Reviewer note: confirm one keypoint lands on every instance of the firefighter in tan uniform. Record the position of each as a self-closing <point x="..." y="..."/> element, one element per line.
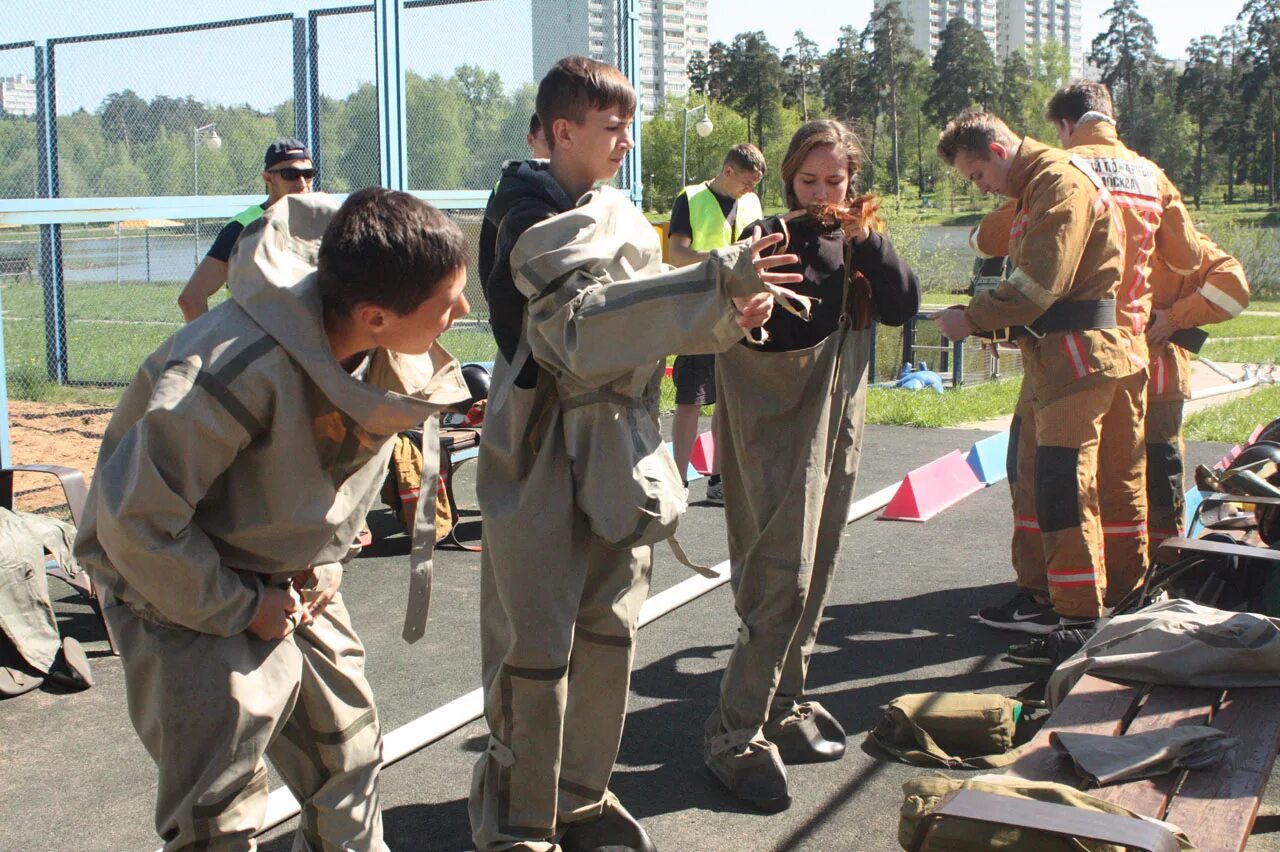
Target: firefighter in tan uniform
<point x="1156" y="223"/>
<point x="231" y="482"/>
<point x="1215" y="292"/>
<point x="1058" y="303"/>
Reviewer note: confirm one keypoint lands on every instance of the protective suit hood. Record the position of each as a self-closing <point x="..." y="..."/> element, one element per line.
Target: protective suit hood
<point x="273" y="279"/>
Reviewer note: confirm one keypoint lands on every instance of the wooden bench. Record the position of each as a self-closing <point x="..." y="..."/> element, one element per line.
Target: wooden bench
<point x="1215" y="808"/>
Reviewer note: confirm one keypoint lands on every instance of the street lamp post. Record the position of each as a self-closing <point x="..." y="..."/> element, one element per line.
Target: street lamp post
<point x="703" y="127"/>
<point x="213" y="142"/>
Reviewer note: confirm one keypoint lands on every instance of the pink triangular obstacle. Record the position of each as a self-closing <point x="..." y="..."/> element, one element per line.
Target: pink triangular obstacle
<point x="703" y="457"/>
<point x="928" y="490"/>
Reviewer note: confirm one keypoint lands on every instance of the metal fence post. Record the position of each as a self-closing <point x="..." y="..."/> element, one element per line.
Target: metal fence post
<point x="55" y="317"/>
<point x="392" y="127"/>
<point x="957" y="368"/>
<point x="629" y="44"/>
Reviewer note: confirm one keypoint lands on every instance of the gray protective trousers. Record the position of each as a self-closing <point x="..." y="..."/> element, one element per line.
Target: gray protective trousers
<point x="208" y="708"/>
<point x="802" y="411"/>
<point x="558" y="620"/>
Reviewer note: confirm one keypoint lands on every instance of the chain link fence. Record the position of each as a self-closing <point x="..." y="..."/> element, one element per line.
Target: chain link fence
<point x="167" y="123"/>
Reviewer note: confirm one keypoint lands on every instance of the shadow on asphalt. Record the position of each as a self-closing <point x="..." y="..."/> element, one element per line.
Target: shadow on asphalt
<point x="902" y="646"/>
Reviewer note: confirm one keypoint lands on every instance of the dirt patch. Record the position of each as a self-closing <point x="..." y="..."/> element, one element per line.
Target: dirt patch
<point x="52" y="433"/>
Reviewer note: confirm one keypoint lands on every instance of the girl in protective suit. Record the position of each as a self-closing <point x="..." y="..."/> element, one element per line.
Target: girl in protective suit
<point x="797" y="400"/>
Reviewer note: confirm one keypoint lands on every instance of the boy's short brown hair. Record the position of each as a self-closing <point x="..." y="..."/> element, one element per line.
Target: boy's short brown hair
<point x="387" y="248"/>
<point x="576" y="84"/>
<point x="746" y="157"/>
<point x="973" y="132"/>
<point x="1075" y="99"/>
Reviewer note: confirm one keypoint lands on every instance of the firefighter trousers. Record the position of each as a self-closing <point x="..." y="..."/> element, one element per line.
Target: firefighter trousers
<point x="1165" y="498"/>
<point x="1077" y="470"/>
<point x="208" y="708"/>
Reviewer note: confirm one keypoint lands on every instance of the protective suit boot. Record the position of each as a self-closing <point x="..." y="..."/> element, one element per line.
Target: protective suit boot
<point x="615" y="830"/>
<point x="748" y="765"/>
<point x="806" y="734"/>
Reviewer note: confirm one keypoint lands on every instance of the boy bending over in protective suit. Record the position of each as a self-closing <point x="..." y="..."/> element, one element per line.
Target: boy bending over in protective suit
<point x="574" y="482"/>
<point x="231" y="482"/>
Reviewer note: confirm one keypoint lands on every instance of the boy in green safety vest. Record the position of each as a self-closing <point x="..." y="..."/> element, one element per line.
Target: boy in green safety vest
<point x="708" y="216"/>
<point x="286" y="169"/>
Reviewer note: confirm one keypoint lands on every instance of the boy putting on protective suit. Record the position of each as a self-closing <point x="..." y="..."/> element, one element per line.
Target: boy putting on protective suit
<point x="230" y="484"/>
<point x="798" y="400"/>
<point x="1066" y="252"/>
<point x="574" y="481"/>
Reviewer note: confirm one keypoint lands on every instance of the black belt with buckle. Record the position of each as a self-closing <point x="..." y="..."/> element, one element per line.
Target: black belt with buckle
<point x="1083" y="315"/>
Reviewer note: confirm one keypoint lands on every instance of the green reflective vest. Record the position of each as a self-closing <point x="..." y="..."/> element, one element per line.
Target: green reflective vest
<point x="707" y="221"/>
<point x="249" y="215"/>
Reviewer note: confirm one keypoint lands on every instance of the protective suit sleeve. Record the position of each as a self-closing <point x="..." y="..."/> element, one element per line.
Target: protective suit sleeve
<point x="149" y="488"/>
<point x="990" y="237"/>
<point x="1222" y="294"/>
<point x="597" y="331"/>
<point x="895" y="289"/>
<point x="1058" y="222"/>
<point x="1177" y="241"/>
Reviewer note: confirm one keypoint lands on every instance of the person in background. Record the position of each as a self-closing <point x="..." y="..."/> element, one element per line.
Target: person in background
<point x="708" y="216"/>
<point x="286" y="169"/>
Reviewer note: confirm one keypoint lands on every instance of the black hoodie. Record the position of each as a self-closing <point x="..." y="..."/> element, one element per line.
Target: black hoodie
<point x="525" y="195"/>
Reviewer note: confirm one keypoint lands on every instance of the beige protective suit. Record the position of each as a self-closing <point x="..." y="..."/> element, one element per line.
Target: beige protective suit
<point x="803" y="411"/>
<point x="574" y="483"/>
<point x="242" y="454"/>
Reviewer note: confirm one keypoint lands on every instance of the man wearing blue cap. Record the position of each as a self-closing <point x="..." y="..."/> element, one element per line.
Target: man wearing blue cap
<point x="286" y="169"/>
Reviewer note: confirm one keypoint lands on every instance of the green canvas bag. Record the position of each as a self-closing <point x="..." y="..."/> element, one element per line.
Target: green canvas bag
<point x="953" y="730"/>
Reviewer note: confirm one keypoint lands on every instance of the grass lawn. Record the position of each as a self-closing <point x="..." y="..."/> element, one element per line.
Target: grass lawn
<point x="898" y="407"/>
<point x="1233" y="422"/>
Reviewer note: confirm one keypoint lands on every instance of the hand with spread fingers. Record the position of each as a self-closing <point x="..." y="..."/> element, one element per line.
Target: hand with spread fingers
<point x="756" y="309"/>
<point x="278" y="613"/>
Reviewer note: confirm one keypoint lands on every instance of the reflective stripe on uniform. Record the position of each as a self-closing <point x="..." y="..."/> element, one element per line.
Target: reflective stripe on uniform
<point x="1039" y="296"/>
<point x="1220" y="299"/>
<point x="1072" y="576"/>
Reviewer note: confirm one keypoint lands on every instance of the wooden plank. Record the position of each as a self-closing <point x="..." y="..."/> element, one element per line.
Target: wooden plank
<point x="1094" y="706"/>
<point x="1165" y="707"/>
<point x="1217" y="808"/>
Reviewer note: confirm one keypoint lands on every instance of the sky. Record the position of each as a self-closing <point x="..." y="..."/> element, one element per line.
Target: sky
<point x="235" y="66"/>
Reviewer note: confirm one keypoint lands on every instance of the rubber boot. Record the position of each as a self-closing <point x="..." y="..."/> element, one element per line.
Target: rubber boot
<point x="615" y="830"/>
<point x="806" y="734"/>
<point x="748" y="765"/>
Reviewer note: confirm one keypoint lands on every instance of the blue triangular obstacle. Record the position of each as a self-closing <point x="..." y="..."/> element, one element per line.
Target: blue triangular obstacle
<point x="690" y="475"/>
<point x="988" y="456"/>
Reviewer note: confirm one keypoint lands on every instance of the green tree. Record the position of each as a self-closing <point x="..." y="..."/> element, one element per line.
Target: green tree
<point x="438" y="146"/>
<point x="661" y="135"/>
<point x="893" y="57"/>
<point x="753" y="76"/>
<point x="1126" y="52"/>
<point x="801" y="63"/>
<point x="964" y="72"/>
<point x="122" y="116"/>
<point x="1013" y="96"/>
<point x="1230" y="136"/>
<point x="1262" y="79"/>
<point x="1201" y="91"/>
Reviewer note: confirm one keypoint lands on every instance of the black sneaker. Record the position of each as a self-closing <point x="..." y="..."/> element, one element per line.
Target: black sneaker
<point x="1066" y="639"/>
<point x="1022" y="613"/>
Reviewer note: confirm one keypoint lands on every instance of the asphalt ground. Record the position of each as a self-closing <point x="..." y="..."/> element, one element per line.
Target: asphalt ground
<point x="75" y="776"/>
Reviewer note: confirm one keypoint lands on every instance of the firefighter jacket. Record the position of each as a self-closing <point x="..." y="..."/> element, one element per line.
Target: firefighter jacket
<point x="1065" y="244"/>
<point x="242" y="452"/>
<point x="1216" y="292"/>
<point x="1155" y="219"/>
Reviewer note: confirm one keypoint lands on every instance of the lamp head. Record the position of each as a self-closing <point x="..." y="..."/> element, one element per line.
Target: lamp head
<point x="704" y="127"/>
<point x="213" y="141"/>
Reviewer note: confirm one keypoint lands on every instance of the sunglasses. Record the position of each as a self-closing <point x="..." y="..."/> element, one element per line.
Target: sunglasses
<point x="293" y="174"/>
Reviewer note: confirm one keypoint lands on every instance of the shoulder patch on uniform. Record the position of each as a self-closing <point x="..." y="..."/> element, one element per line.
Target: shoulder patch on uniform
<point x="1133" y="177"/>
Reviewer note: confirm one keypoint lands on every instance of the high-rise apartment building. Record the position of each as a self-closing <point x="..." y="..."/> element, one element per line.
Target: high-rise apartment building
<point x="670" y="32"/>
<point x="18" y="95"/>
<point x="930" y="17"/>
<point x="1009" y="25"/>
<point x="1024" y="23"/>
